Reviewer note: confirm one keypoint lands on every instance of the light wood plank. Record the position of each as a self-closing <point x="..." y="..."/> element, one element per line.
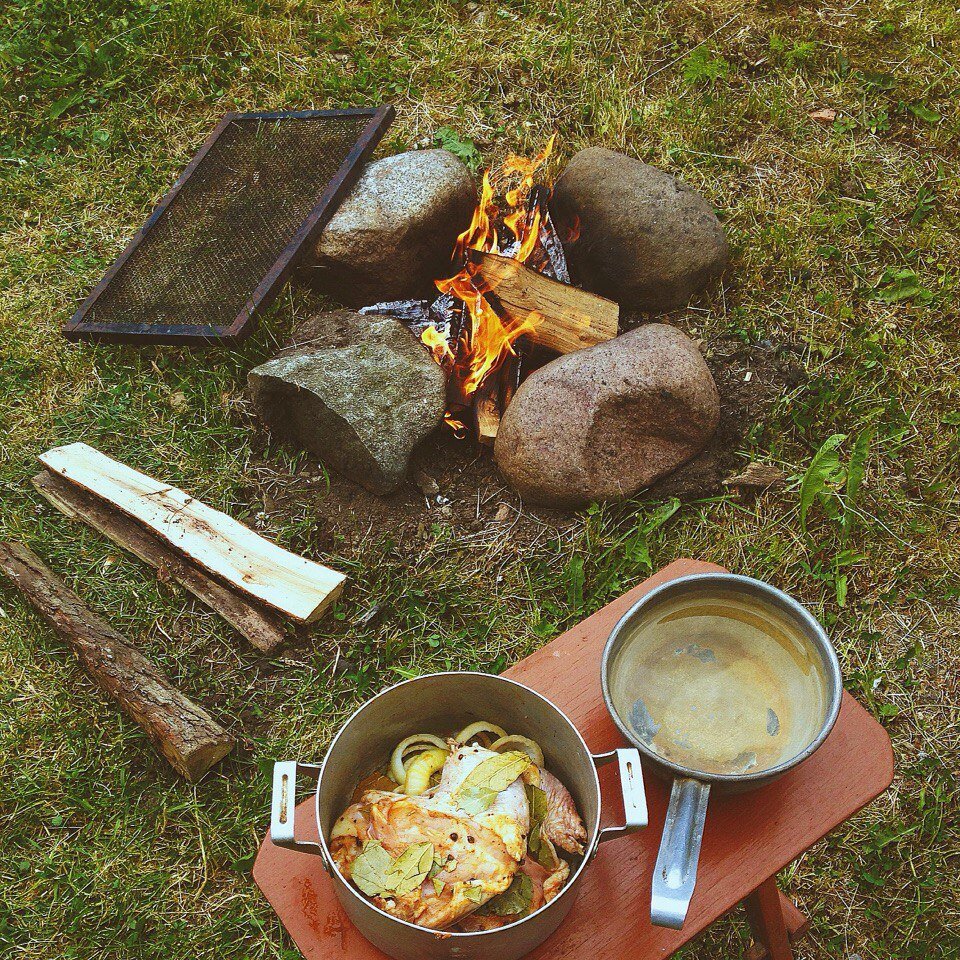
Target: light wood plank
<point x="295" y="586"/>
<point x="263" y="628"/>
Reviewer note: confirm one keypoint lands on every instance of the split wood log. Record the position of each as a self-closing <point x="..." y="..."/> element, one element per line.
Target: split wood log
<point x="486" y="411"/>
<point x="295" y="586"/>
<point x="263" y="628"/>
<point x="569" y="318"/>
<point x="190" y="739"/>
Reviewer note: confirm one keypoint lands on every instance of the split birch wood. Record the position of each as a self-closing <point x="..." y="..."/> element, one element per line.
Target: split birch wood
<point x="295" y="586"/>
<point x="187" y="736"/>
<point x="263" y="628"/>
<point x="569" y="318"/>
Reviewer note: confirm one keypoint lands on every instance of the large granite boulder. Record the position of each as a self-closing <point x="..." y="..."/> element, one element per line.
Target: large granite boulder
<point x="605" y="422"/>
<point x="646" y="240"/>
<point x="358" y="392"/>
<point x="395" y="232"/>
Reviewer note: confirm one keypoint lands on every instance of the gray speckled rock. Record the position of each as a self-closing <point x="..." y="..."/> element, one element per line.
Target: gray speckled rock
<point x="646" y="240"/>
<point x="603" y="423"/>
<point x="358" y="392"/>
<point x="395" y="233"/>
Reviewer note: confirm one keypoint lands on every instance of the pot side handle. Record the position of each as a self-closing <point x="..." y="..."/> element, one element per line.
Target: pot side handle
<point x="631" y="785"/>
<point x="284" y="805"/>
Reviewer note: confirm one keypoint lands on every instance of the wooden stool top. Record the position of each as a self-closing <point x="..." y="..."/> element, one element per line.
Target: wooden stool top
<point x="748" y="837"/>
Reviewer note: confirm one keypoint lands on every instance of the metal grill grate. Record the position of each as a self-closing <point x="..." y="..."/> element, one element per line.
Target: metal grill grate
<point x="222" y="241"/>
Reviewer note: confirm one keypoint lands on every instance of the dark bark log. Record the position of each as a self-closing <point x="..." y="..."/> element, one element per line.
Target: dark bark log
<point x="190" y="739"/>
<point x="263" y="628"/>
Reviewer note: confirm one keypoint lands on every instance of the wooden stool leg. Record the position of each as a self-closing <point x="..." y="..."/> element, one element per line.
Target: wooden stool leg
<point x="775" y="921"/>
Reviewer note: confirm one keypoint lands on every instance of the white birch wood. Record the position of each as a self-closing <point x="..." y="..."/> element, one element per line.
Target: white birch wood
<point x="297" y="587"/>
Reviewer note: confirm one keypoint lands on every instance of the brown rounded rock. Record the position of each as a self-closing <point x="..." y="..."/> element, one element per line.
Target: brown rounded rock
<point x="647" y="240"/>
<point x="605" y="422"/>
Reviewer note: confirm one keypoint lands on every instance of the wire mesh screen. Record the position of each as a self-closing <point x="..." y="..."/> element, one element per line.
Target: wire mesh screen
<point x="209" y="257"/>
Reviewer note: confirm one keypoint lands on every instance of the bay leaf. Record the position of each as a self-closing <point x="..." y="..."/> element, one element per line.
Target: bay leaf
<point x="537" y="845"/>
<point x="369" y="871"/>
<point x="473" y="891"/>
<point x="481" y="785"/>
<point x="410" y="869"/>
<point x="515" y="900"/>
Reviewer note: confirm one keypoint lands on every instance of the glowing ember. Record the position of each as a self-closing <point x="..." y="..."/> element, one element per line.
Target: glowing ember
<point x="487" y="340"/>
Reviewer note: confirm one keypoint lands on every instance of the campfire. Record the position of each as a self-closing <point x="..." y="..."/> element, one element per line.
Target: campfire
<point x="510" y="306"/>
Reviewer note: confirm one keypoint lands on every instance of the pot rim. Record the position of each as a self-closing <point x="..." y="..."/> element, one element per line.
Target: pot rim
<point x="814" y="631"/>
<point x="568" y="889"/>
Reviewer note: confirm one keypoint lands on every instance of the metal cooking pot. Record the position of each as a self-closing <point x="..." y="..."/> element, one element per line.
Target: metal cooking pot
<point x="722" y="682"/>
<point x="445" y="702"/>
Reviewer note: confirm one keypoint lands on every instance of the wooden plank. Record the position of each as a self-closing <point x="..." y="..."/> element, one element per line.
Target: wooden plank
<point x="569" y="318"/>
<point x="190" y="739"/>
<point x="295" y="586"/>
<point x="263" y="628"/>
<point x="749" y="837"/>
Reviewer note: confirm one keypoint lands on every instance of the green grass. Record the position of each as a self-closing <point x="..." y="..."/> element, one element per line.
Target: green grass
<point x="847" y="240"/>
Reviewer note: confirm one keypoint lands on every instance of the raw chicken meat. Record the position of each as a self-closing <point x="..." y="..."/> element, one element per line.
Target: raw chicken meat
<point x="479" y="854"/>
<point x="563" y="826"/>
<point x="476" y="856"/>
<point x="475" y="862"/>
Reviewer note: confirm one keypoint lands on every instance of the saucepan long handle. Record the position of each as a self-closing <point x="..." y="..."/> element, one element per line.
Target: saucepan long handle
<point x="675" y="874"/>
<point x="631" y="785"/>
<point x="284" y="806"/>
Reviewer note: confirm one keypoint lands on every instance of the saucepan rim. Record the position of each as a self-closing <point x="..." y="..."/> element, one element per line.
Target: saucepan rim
<point x="569" y="886"/>
<point x="814" y="631"/>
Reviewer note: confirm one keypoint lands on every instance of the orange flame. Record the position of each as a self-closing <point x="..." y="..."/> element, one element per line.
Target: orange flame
<point x="438" y="345"/>
<point x="488" y="340"/>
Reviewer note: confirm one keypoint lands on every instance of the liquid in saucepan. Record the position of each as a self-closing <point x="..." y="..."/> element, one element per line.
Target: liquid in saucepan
<point x="719" y="685"/>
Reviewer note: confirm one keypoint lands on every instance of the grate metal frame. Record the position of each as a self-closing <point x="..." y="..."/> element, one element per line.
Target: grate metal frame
<point x="80" y="328"/>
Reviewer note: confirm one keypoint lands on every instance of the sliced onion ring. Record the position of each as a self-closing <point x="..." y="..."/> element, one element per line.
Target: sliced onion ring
<point x="398" y="771"/>
<point x="481" y="726"/>
<point x="422" y="768"/>
<point x="515" y="742"/>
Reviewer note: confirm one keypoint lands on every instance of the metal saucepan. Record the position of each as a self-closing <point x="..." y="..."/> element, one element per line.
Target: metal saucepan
<point x="446" y="702"/>
<point x="721" y="681"/>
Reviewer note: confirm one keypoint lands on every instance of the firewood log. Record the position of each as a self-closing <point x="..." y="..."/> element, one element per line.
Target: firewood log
<point x="486" y="411"/>
<point x="297" y="587"/>
<point x="262" y="627"/>
<point x="187" y="736"/>
<point x="568" y="318"/>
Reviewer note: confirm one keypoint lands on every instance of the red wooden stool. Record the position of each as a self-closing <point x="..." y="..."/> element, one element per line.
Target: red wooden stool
<point x="748" y="838"/>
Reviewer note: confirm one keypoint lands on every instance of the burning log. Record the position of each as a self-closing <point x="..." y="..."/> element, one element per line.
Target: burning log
<point x="414" y="313"/>
<point x="511" y="374"/>
<point x="487" y="411"/>
<point x="547" y="256"/>
<point x="567" y="318"/>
